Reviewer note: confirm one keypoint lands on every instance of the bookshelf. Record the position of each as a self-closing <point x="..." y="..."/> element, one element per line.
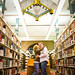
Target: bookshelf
<point x="23" y="56"/>
<point x="65" y="51"/>
<point x="9" y="49"/>
<point x="52" y="59"/>
<point x="28" y="55"/>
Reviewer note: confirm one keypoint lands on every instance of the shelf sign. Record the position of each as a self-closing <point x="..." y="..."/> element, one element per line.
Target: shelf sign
<point x="17" y="26"/>
<point x="57" y="29"/>
<point x="1" y="7"/>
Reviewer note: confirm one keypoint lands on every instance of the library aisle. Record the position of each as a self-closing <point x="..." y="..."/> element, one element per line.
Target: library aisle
<point x="25" y="73"/>
<point x="37" y="37"/>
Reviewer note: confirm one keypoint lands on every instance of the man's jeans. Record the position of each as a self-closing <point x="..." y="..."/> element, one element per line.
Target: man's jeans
<point x="36" y="69"/>
<point x="43" y="67"/>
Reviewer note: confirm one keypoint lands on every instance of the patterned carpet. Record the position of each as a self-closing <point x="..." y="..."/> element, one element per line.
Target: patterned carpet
<point x="25" y="73"/>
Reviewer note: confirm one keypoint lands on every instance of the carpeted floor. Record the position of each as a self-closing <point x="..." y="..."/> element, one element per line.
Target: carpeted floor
<point x="25" y="73"/>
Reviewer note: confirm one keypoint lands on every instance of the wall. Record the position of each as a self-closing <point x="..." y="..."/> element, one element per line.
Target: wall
<point x="25" y="44"/>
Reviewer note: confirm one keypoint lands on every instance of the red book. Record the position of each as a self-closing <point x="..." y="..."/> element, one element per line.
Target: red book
<point x="74" y="72"/>
<point x="56" y="63"/>
<point x="13" y="71"/>
<point x="0" y="36"/>
<point x="74" y="38"/>
<point x="1" y="60"/>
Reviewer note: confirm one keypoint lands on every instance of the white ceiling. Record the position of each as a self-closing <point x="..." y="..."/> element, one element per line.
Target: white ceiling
<point x="36" y="29"/>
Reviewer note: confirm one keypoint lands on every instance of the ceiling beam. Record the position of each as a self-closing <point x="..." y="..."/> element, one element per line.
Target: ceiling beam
<point x="59" y="15"/>
<point x="37" y="25"/>
<point x="66" y="14"/>
<point x="59" y="8"/>
<point x="3" y="6"/>
<point x="18" y="8"/>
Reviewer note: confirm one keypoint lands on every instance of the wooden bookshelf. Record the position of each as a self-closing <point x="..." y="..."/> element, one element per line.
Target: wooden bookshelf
<point x="23" y="56"/>
<point x="1" y="44"/>
<point x="9" y="38"/>
<point x="8" y="58"/>
<point x="9" y="67"/>
<point x="65" y="51"/>
<point x="69" y="46"/>
<point x="9" y="48"/>
<point x="9" y="27"/>
<point x="69" y="67"/>
<point x="66" y="39"/>
<point x="64" y="32"/>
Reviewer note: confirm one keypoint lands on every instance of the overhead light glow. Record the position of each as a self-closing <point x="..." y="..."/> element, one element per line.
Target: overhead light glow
<point x="61" y="3"/>
<point x="18" y="8"/>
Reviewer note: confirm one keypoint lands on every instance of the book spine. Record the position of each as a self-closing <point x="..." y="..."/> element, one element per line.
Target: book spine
<point x="0" y="36"/>
<point x="3" y="62"/>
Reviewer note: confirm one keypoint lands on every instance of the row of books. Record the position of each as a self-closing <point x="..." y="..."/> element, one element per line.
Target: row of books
<point x="69" y="52"/>
<point x="9" y="50"/>
<point x="7" y="42"/>
<point x="66" y="53"/>
<point x="70" y="41"/>
<point x="69" y="71"/>
<point x="69" y="31"/>
<point x="12" y="71"/>
<point x="59" y="55"/>
<point x="69" y="62"/>
<point x="65" y="71"/>
<point x="66" y="62"/>
<point x="8" y="63"/>
<point x="60" y="71"/>
<point x="23" y="60"/>
<point x="8" y="53"/>
<point x="7" y="31"/>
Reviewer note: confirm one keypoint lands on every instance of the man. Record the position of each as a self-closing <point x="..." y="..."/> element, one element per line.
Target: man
<point x="43" y="58"/>
<point x="36" y="60"/>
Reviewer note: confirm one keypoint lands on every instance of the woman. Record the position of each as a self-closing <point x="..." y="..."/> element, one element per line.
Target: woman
<point x="36" y="60"/>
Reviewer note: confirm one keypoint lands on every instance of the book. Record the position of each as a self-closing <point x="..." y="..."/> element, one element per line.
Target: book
<point x="1" y="51"/>
<point x="0" y="36"/>
<point x="5" y="52"/>
<point x="74" y="49"/>
<point x="74" y="61"/>
<point x="1" y="72"/>
<point x="11" y="63"/>
<point x="13" y="71"/>
<point x="10" y="71"/>
<point x="1" y="24"/>
<point x="1" y="63"/>
<point x="65" y="62"/>
<point x="73" y="38"/>
<point x="3" y="39"/>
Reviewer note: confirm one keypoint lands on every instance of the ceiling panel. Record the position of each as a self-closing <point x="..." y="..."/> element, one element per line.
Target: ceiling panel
<point x="38" y="30"/>
<point x="62" y="20"/>
<point x="44" y="20"/>
<point x="21" y="32"/>
<point x="12" y="20"/>
<point x="10" y="7"/>
<point x="65" y="9"/>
